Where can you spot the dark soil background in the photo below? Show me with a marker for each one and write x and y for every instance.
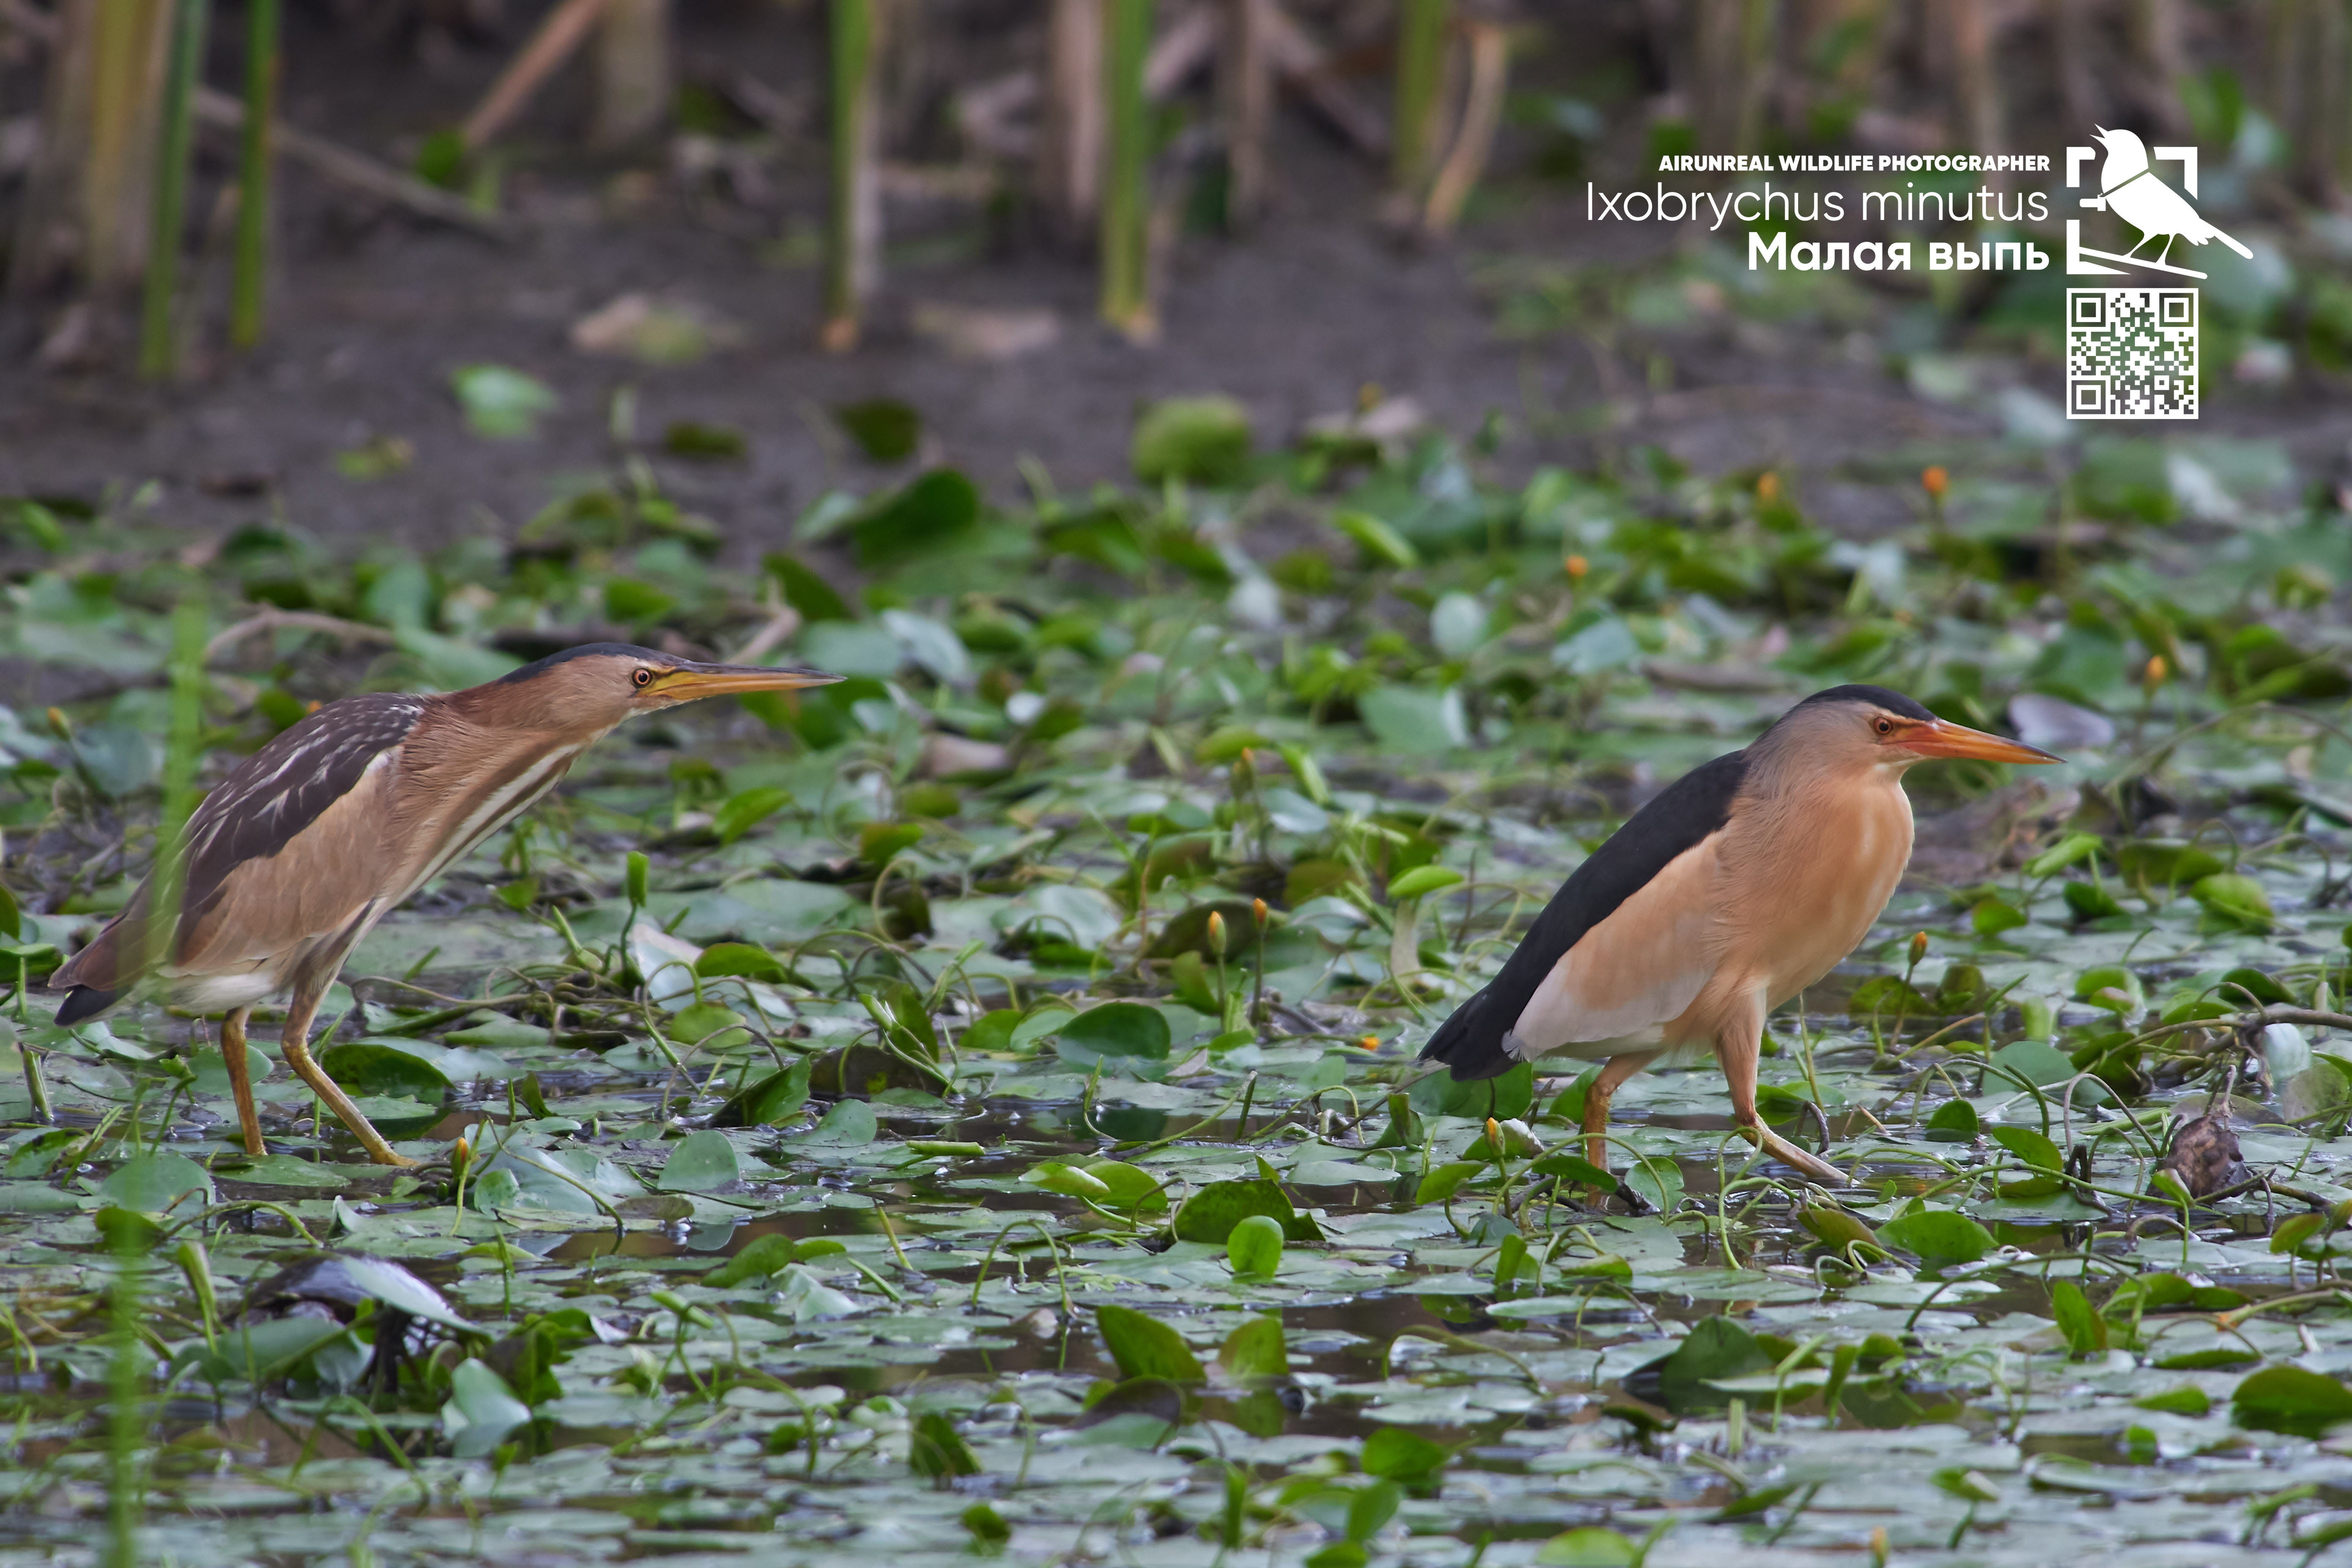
(373, 309)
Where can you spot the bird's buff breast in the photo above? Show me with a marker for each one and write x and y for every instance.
(1828, 893)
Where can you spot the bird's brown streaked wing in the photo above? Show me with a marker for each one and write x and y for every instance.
(263, 806)
(293, 905)
(1470, 1042)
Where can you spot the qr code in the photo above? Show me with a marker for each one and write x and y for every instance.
(2131, 353)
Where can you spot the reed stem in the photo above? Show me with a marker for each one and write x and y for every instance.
(854, 231)
(253, 174)
(1422, 27)
(1126, 207)
(158, 340)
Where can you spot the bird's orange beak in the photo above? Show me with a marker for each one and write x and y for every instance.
(692, 682)
(1936, 738)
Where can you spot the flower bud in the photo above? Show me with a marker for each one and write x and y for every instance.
(1576, 566)
(1373, 1042)
(1259, 908)
(1216, 934)
(1767, 487)
(1935, 480)
(2157, 671)
(1494, 1136)
(1918, 945)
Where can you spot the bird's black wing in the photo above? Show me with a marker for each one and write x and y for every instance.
(1686, 811)
(262, 806)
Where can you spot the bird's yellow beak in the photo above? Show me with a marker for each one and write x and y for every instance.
(1936, 738)
(692, 682)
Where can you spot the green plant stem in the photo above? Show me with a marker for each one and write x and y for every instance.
(253, 174)
(127, 1425)
(158, 350)
(1125, 206)
(852, 228)
(1420, 74)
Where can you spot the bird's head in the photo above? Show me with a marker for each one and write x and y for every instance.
(597, 686)
(2125, 148)
(1869, 728)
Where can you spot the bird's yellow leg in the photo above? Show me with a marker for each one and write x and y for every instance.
(1736, 1050)
(297, 1043)
(240, 1081)
(1596, 1103)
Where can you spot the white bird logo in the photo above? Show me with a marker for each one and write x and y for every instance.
(2129, 188)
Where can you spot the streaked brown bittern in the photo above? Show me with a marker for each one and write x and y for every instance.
(1741, 884)
(331, 825)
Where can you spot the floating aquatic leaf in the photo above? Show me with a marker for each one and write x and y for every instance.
(702, 1162)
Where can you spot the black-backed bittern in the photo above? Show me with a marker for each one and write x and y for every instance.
(1745, 881)
(331, 825)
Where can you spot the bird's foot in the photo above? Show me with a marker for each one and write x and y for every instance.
(1788, 1153)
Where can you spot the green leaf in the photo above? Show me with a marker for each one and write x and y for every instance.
(936, 1451)
(1126, 1031)
(1070, 1181)
(1990, 917)
(886, 430)
(1508, 1096)
(1370, 1508)
(2235, 898)
(1381, 545)
(772, 1100)
(1255, 1353)
(1417, 719)
(151, 1183)
(481, 1411)
(2186, 1400)
(2294, 1230)
(636, 604)
(265, 1352)
(1143, 1346)
(501, 403)
(1445, 1181)
(2029, 1146)
(1834, 1226)
(1954, 1122)
(1940, 1238)
(804, 590)
(850, 1124)
(1255, 1247)
(2090, 901)
(2086, 1330)
(1204, 439)
(2290, 1399)
(2071, 850)
(743, 812)
(929, 514)
(1576, 1168)
(1401, 1454)
(741, 960)
(1587, 1546)
(1715, 1348)
(1211, 1214)
(365, 1067)
(1422, 881)
(763, 1255)
(704, 1162)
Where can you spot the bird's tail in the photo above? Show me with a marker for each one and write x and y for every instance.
(1470, 1044)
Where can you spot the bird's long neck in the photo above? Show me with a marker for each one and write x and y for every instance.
(463, 779)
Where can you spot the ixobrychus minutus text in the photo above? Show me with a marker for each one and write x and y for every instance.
(331, 826)
(1744, 881)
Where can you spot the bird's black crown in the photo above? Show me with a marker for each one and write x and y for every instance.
(1872, 696)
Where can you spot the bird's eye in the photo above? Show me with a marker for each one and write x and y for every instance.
(1887, 726)
(644, 677)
